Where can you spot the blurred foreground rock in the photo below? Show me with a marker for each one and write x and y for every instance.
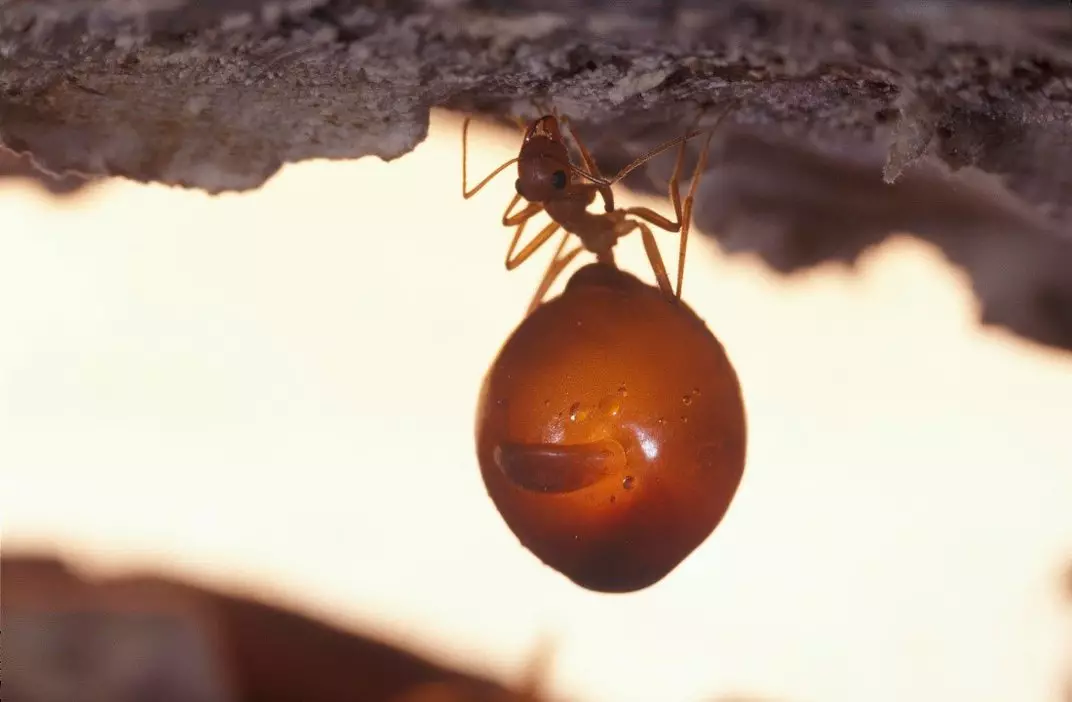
(146, 639)
(966, 107)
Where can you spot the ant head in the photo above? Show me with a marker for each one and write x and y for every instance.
(543, 166)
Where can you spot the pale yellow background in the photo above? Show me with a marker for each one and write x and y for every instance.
(274, 392)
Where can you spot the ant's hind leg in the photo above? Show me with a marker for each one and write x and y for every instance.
(554, 269)
(675, 199)
(674, 187)
(681, 225)
(686, 215)
(656, 259)
(682, 209)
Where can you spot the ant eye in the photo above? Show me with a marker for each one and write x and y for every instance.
(517, 187)
(558, 180)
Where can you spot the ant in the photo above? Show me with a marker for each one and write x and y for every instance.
(550, 182)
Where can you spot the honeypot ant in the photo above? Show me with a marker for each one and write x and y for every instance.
(550, 182)
(607, 463)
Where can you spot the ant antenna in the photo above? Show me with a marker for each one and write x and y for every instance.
(663, 147)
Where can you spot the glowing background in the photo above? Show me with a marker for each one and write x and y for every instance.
(274, 392)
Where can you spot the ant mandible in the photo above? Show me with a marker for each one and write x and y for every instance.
(550, 182)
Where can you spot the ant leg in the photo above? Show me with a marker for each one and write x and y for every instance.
(546, 233)
(656, 259)
(686, 215)
(683, 211)
(513, 203)
(554, 269)
(529, 211)
(675, 198)
(520, 219)
(675, 186)
(466, 193)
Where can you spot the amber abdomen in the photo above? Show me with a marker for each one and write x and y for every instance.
(611, 432)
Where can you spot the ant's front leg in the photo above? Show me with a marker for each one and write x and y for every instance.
(546, 233)
(528, 212)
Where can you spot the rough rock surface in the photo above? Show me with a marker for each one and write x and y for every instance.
(965, 107)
